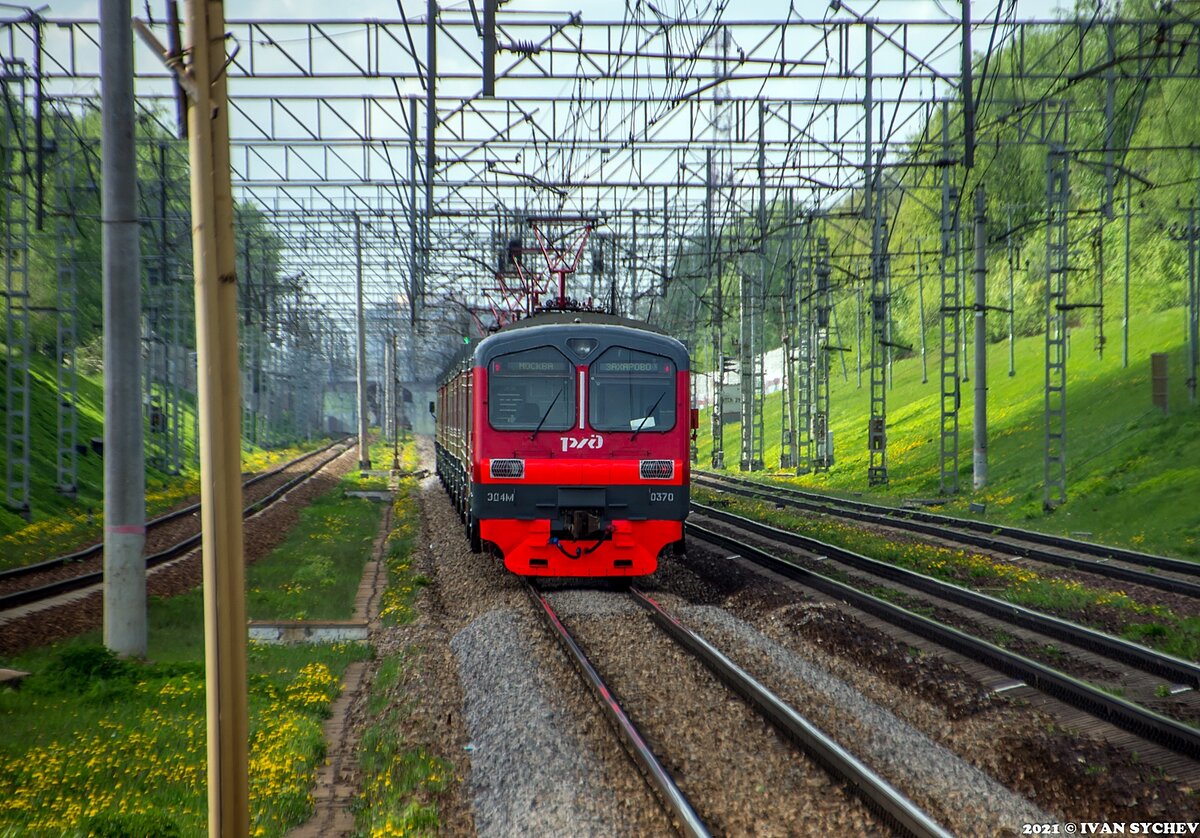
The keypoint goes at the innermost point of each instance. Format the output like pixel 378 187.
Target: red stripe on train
pixel 592 472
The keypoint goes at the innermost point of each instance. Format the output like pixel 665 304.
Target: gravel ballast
pixel 957 794
pixel 521 700
pixel 532 772
pixel 1075 777
pixel 544 761
pixel 742 777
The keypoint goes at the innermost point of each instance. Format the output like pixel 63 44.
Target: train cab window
pixel 531 387
pixel 631 391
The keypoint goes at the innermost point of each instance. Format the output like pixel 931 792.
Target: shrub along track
pixel 78 613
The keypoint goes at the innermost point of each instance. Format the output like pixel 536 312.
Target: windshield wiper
pixel 546 414
pixel 649 413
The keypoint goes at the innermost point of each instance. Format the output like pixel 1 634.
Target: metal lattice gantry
pixel 16 143
pixel 686 134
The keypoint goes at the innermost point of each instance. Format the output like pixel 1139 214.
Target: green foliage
pixel 60 523
pixel 93 672
pixel 134 765
pixel 402 780
pixel 404 586
pixel 1131 471
pixel 1098 607
pixel 125 825
pixel 314 573
pixel 1153 117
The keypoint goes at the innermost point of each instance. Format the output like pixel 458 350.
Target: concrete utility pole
pixel 124 458
pixel 980 426
pixel 364 449
pixel 219 400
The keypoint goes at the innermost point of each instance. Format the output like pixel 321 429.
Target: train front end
pixel 579 456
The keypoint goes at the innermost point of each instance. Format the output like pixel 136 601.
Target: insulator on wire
pixel 524 48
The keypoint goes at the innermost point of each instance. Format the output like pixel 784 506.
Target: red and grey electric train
pixel 563 441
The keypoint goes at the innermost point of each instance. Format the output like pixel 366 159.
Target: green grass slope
pixel 59 523
pixel 1133 474
pixel 45 500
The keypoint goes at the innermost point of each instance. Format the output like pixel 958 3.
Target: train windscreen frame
pixel 529 388
pixel 632 390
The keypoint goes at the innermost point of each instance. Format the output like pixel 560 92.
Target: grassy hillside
pixel 46 502
pixel 60 523
pixel 1133 474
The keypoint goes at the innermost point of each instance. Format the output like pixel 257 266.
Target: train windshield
pixel 631 391
pixel 531 389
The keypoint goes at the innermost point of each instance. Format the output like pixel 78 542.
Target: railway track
pixel 1170 734
pixel 842 767
pixel 1161 572
pixel 26 586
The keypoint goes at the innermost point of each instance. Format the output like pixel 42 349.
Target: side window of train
pixel 531 387
pixel 631 391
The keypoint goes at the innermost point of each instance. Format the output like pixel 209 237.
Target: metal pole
pixel 430 131
pixel 1193 245
pixel 39 128
pixel 489 47
pixel 364 443
pixel 980 426
pixel 633 274
pixel 124 458
pixel 219 402
pixel 385 391
pixel 966 90
pixel 868 109
pixel 858 330
pixel 1098 241
pixel 961 306
pixel 921 314
pixel 718 382
pixel 414 283
pixel 1125 290
pixel 395 407
pixel 1012 302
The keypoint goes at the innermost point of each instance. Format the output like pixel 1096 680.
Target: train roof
pixel 557 318
pixel 546 329
pixel 555 329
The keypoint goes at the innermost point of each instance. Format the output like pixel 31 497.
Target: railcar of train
pixel 563 441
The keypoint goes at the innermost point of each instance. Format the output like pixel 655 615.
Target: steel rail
pixel 84 580
pixel 879 795
pixel 98 548
pixel 1156 663
pixel 672 797
pixel 1164 731
pixel 948 528
pixel 1091 548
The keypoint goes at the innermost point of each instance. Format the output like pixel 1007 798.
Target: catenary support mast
pixel 124 458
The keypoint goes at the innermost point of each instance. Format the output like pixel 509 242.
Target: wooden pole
pixel 220 424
